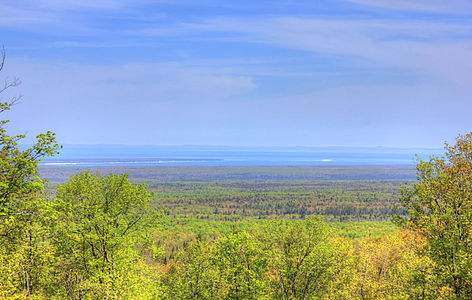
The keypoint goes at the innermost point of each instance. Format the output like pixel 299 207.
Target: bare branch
pixel 3 56
pixel 8 83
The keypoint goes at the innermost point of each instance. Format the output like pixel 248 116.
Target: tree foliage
pixel 23 259
pixel 98 224
pixel 439 207
pixel 301 258
pixel 18 168
pixel 96 236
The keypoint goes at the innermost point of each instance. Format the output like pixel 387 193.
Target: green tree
pixel 439 207
pixel 302 258
pixel 100 226
pixel 18 168
pixel 389 267
pixel 193 274
pixel 243 265
pixel 24 258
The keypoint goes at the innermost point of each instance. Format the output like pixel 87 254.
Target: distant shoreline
pixel 110 155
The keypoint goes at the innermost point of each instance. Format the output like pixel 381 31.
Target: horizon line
pixel 246 146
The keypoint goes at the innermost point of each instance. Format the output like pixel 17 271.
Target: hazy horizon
pixel 244 146
pixel 198 155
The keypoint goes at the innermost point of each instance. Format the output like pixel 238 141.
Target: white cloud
pixel 143 82
pixel 60 16
pixel 11 15
pixel 431 49
pixel 64 5
pixel 435 6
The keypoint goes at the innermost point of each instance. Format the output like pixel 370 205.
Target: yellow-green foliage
pixel 25 253
pixel 439 205
pixel 98 224
pixel 97 238
pixel 390 267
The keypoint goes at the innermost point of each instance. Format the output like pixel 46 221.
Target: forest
pixel 340 193
pixel 233 232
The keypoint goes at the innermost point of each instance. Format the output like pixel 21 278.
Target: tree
pixel 243 264
pixel 193 274
pixel 99 230
pixel 389 267
pixel 18 168
pixel 302 258
pixel 22 255
pixel 439 207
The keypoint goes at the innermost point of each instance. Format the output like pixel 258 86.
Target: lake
pixel 109 155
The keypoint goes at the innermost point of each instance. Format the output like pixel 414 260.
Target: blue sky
pixel 394 73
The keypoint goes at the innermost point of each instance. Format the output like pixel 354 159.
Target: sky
pixel 393 73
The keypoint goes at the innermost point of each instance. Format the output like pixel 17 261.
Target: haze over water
pixel 107 155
